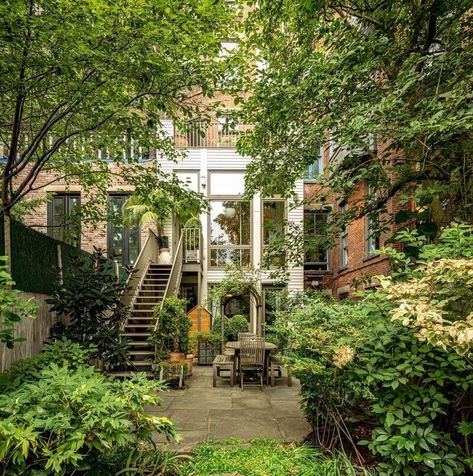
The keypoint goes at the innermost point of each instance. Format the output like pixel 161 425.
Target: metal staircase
pixel 139 325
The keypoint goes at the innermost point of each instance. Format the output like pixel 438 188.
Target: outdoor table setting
pixel 268 348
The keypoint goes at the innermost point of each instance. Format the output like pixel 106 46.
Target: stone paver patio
pixel 202 412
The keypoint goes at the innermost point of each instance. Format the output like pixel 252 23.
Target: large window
pixel 315 227
pixel 64 217
pixel 315 169
pixel 230 233
pixel 343 241
pixel 371 229
pixel 274 215
pixel 123 243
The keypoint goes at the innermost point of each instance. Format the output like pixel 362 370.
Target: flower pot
pixel 176 357
pixel 190 361
pixel 164 256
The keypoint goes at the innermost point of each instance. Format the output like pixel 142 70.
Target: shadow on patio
pixel 202 412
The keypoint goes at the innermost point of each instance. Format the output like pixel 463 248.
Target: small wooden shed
pixel 201 320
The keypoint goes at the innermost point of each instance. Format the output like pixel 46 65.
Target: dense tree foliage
pixel 385 85
pixel 98 75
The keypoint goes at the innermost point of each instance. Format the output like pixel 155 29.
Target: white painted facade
pixel 196 169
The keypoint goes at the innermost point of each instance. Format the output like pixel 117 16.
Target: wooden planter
pixel 208 351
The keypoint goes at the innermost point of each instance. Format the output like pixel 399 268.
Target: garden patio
pixel 201 412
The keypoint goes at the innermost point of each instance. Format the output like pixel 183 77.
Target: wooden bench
pixel 223 362
pixel 275 364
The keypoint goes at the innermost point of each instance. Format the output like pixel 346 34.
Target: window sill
pixel 371 257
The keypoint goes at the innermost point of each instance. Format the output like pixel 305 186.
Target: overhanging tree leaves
pixel 353 74
pixel 98 75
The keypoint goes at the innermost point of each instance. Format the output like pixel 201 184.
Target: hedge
pixel 34 258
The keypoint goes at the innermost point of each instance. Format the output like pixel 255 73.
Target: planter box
pixel 207 352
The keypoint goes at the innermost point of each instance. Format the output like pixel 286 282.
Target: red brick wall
pixel 361 267
pixel 91 235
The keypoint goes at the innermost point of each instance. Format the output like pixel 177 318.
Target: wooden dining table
pixel 268 347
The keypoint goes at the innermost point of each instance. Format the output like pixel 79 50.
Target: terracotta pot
pixel 176 357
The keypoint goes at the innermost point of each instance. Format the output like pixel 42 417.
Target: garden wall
pixel 35 331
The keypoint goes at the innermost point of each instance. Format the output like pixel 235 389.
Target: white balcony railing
pixel 204 135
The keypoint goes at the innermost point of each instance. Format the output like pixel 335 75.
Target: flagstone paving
pixel 201 412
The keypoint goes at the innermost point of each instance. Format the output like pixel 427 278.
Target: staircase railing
pixel 174 280
pixel 192 245
pixel 148 254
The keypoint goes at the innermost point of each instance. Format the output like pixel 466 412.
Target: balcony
pixel 222 134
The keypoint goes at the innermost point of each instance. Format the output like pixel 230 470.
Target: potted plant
pixel 171 336
pixel 159 205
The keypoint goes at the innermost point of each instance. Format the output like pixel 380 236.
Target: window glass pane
pixel 229 183
pixel 230 223
pixel 315 225
pixel 221 258
pixel 133 245
pixel 273 219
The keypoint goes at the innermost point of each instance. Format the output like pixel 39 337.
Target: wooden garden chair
pixel 275 364
pixel 251 359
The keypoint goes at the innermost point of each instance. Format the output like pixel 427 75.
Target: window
pixel 273 297
pixel 227 183
pixel 230 233
pixel 315 226
pixel 371 229
pixel 123 243
pixel 274 215
pixel 64 218
pixel 316 169
pixel 343 241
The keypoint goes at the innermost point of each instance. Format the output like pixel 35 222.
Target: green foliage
pixel 89 298
pixel 265 457
pixel 172 329
pixel 453 242
pixel 99 76
pixel 68 419
pixel 172 198
pixel 399 360
pixel 348 75
pixel 231 326
pixel 61 352
pixel 13 309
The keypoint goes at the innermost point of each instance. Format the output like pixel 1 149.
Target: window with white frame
pixel 273 223
pixel 371 228
pixel 343 240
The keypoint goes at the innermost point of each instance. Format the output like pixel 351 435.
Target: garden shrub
pixel 69 421
pixel 398 361
pixel 232 326
pixel 61 352
pixel 89 301
pixel 172 330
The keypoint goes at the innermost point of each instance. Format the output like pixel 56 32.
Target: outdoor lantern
pixel 229 212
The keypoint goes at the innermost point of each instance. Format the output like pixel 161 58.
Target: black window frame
pixel 125 236
pixel 68 236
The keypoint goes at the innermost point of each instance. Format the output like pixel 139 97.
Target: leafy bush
pixel 232 326
pixel 264 457
pixel 61 352
pixel 90 300
pixel 12 308
pixel 398 361
pixel 69 420
pixel 172 330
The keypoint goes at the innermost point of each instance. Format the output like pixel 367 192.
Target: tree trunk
pixel 7 238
